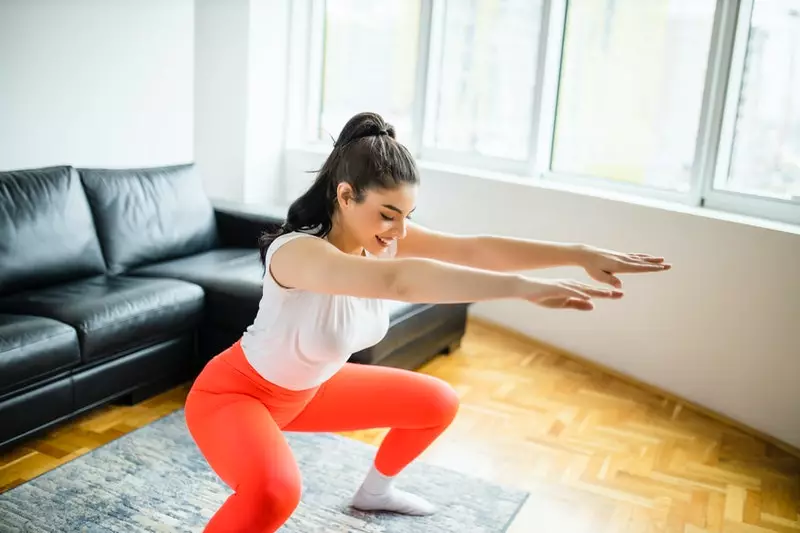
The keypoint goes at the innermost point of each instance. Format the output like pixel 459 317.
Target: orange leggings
pixel 237 418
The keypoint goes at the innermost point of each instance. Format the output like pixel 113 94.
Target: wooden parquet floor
pixel 598 454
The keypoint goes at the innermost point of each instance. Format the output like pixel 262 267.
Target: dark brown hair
pixel 366 156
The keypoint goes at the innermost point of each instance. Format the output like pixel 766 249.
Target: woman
pixel 346 247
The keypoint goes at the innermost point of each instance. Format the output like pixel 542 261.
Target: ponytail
pixel 311 212
pixel 365 155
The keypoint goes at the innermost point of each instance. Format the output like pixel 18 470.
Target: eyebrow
pixel 396 209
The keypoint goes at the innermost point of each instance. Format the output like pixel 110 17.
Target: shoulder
pixel 288 252
pixel 293 247
pixel 297 249
pixel 291 236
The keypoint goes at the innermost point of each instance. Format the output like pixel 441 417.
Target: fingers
pixel 580 305
pixel 609 279
pixel 654 263
pixel 622 263
pixel 596 292
pixel 632 267
pixel 568 303
pixel 648 257
pixel 571 294
pixel 572 289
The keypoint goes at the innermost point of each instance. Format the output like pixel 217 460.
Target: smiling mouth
pixel 384 243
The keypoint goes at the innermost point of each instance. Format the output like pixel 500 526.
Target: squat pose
pixel 346 247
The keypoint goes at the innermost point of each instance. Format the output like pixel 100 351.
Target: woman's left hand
pixel 602 265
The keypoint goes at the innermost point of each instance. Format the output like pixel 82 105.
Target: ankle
pixel 376 482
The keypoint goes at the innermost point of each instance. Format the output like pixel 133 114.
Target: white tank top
pixel 299 339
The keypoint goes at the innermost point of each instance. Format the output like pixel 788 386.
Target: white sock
pixel 377 493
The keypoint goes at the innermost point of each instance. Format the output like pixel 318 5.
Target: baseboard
pixel 505 330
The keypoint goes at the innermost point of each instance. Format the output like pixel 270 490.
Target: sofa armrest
pixel 239 225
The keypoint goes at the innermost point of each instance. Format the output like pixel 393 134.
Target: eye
pixel 385 217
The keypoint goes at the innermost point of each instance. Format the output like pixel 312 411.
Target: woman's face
pixel 380 218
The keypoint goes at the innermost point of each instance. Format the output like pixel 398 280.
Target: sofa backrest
pixel 148 215
pixel 47 234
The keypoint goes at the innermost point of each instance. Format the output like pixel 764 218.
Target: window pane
pixel 485 78
pixel 631 89
pixel 765 158
pixel 370 62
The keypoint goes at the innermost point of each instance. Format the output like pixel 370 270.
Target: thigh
pixel 368 396
pixel 240 440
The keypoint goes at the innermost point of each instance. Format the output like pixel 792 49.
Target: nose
pixel 400 229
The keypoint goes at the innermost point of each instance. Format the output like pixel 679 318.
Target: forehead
pixel 403 197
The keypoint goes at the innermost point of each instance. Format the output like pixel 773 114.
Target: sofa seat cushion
pixel 32 348
pixel 115 314
pixel 231 277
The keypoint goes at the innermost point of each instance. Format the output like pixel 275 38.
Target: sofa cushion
pixel 114 315
pixel 231 278
pixel 47 234
pixel 149 215
pixel 33 347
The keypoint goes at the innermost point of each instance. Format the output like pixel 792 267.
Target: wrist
pixel 520 286
pixel 578 254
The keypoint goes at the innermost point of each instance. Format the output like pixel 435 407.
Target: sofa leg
pixel 134 397
pixel 149 390
pixel 452 347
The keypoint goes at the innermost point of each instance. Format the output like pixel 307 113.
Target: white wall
pixel 220 95
pixel 96 82
pixel 720 329
pixel 240 93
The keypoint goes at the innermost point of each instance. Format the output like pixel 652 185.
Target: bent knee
pixel 273 498
pixel 443 402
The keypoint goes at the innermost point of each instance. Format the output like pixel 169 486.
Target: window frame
pixel 303 98
pixel 714 135
pixel 733 55
pixel 692 196
pixel 517 167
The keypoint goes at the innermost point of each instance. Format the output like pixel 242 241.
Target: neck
pixel 342 240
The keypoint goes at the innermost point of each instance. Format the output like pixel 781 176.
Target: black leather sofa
pixel 117 284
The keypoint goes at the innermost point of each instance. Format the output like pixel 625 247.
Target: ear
pixel 344 195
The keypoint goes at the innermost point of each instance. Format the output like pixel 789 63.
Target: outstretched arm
pixel 510 254
pixel 316 265
pixel 490 252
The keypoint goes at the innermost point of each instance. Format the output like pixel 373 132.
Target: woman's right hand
pixel 565 294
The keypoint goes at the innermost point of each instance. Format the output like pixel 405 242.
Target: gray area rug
pixel 155 480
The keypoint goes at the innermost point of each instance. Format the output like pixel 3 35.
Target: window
pixel 482 78
pixel 762 129
pixel 695 101
pixel 631 88
pixel 369 62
